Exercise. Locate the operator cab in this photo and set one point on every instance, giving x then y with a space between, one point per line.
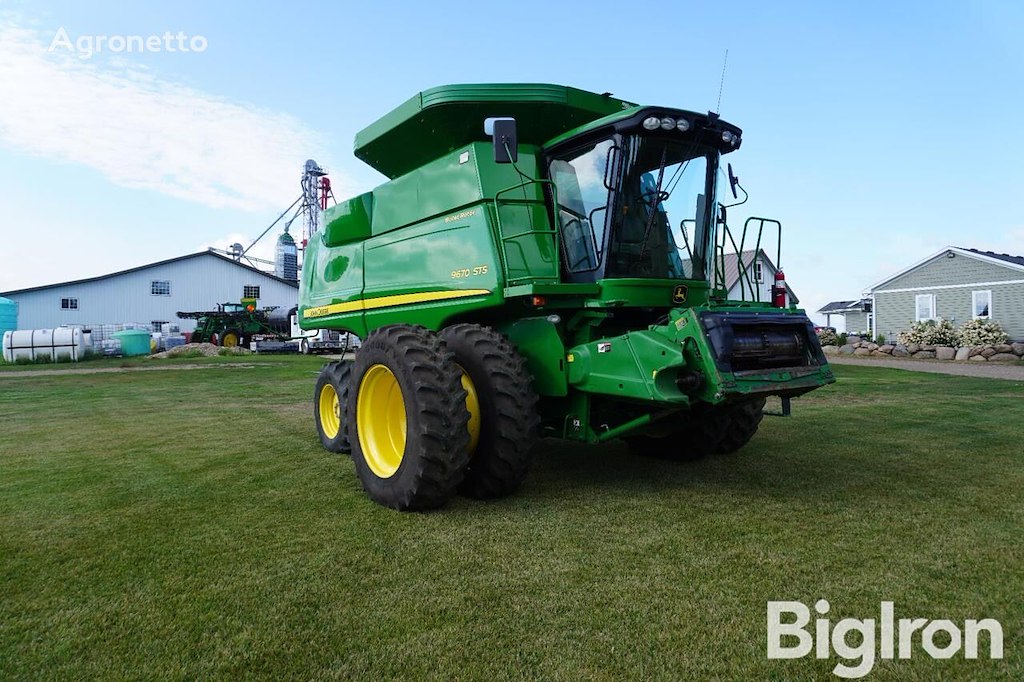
637 198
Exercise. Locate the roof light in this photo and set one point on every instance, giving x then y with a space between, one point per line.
652 122
668 123
727 137
682 125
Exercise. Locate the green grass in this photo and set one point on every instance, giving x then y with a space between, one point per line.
187 524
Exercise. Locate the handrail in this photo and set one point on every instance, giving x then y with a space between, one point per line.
506 239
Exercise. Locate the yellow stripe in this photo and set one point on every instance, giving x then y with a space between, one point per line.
387 301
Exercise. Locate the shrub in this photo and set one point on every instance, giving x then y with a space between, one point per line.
827 337
932 333
982 333
880 339
841 339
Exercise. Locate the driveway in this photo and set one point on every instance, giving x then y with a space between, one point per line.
989 370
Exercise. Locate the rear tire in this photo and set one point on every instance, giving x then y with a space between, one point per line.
231 338
720 430
408 419
508 422
330 405
742 422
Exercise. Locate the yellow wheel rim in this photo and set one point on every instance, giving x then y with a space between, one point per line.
230 340
329 407
380 421
473 405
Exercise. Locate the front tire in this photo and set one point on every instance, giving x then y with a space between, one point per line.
503 435
408 419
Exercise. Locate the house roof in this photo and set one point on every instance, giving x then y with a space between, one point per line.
153 265
1016 260
1005 260
855 306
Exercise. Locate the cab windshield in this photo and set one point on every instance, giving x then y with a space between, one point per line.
636 206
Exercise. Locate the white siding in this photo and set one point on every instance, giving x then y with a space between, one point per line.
197 283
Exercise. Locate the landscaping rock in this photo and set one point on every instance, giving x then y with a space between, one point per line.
829 350
1018 348
913 348
979 358
846 350
945 353
924 354
1004 348
1003 357
865 351
976 350
988 352
853 339
872 346
878 353
962 354
901 351
886 348
927 346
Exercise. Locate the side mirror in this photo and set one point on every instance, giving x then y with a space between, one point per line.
733 181
506 143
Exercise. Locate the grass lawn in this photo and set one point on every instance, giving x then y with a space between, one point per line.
187 524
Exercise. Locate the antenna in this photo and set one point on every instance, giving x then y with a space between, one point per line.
721 83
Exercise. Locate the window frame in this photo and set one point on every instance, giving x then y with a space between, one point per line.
246 290
758 271
974 304
931 304
69 303
153 287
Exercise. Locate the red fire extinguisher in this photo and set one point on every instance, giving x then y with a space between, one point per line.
779 290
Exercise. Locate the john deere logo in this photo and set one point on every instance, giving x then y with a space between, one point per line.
679 294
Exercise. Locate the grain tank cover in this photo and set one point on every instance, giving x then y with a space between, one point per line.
439 120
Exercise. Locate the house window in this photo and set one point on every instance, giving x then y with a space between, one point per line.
250 291
758 272
981 303
157 325
925 307
69 304
160 287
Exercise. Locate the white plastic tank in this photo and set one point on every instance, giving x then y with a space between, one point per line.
57 345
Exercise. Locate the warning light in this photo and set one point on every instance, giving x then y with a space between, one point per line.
537 301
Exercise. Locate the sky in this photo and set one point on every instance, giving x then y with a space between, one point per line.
877 132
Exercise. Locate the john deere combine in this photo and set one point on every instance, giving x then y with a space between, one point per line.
543 261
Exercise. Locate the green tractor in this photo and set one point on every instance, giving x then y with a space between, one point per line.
544 261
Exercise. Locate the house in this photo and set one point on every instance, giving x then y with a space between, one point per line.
857 315
956 284
755 281
151 294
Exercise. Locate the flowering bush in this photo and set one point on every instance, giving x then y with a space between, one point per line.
931 333
982 333
827 336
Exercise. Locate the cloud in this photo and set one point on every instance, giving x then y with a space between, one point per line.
145 132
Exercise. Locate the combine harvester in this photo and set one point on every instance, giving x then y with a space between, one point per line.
543 261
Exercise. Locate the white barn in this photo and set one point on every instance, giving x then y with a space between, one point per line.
151 294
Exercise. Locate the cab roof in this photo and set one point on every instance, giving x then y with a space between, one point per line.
439 120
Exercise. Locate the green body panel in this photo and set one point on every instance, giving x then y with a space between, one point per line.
349 221
437 121
540 344
456 237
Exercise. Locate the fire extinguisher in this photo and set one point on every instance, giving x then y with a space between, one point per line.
779 290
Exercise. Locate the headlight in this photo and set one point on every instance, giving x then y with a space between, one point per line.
668 123
652 123
727 137
682 125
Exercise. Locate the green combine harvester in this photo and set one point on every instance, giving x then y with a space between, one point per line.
544 261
